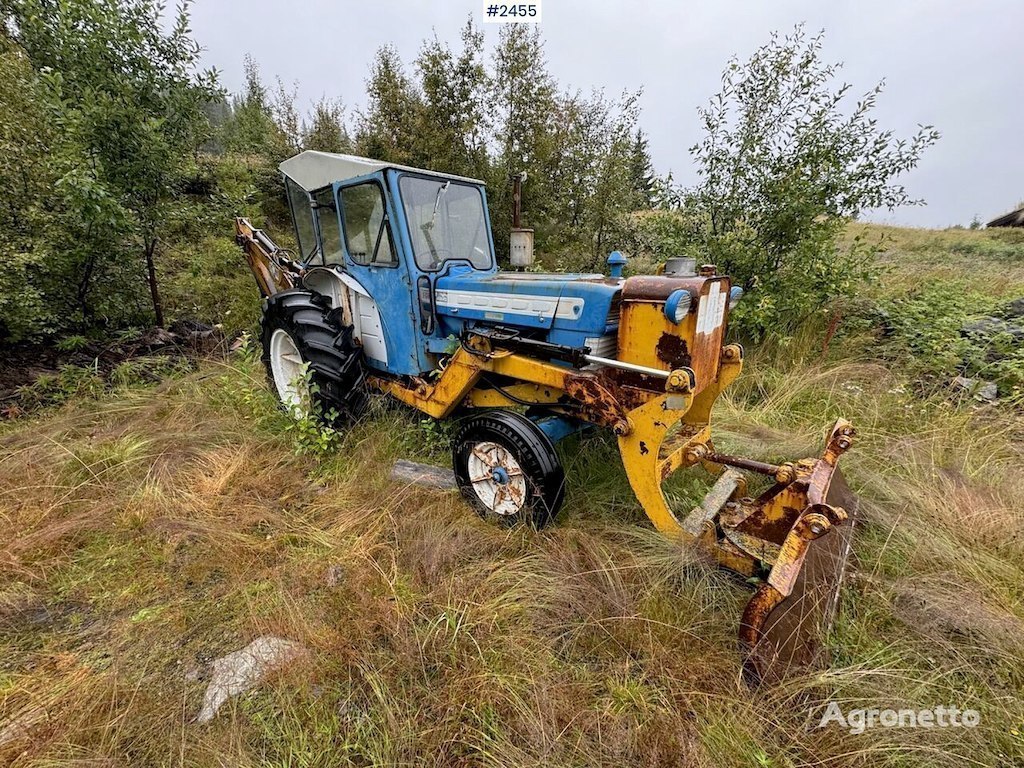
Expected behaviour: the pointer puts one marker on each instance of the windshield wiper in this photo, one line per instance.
(442, 190)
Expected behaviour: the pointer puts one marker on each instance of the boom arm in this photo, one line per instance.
(273, 270)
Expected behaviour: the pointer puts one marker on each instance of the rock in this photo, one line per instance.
(20, 728)
(985, 391)
(422, 474)
(13, 731)
(1013, 310)
(984, 326)
(988, 391)
(987, 327)
(335, 575)
(244, 669)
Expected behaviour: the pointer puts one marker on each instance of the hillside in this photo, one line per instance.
(151, 528)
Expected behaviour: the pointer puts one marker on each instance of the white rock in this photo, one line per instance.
(962, 382)
(335, 575)
(988, 391)
(243, 670)
(985, 391)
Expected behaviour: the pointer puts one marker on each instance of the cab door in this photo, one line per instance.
(382, 290)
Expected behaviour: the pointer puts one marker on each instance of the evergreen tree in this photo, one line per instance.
(455, 91)
(523, 107)
(325, 130)
(286, 116)
(253, 129)
(389, 129)
(641, 172)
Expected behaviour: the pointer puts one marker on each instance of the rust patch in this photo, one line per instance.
(630, 389)
(632, 397)
(769, 522)
(636, 380)
(672, 350)
(598, 403)
(706, 348)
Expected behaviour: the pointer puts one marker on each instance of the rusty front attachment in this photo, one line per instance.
(795, 535)
(801, 529)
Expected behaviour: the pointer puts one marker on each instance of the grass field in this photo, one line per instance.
(150, 529)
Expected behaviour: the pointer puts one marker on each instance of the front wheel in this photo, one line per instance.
(507, 469)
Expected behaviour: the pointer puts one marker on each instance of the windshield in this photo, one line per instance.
(446, 221)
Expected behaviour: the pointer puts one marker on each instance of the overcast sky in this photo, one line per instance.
(955, 65)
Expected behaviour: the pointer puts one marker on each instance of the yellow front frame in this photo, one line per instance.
(642, 431)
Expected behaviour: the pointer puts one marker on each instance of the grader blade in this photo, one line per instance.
(796, 535)
(782, 632)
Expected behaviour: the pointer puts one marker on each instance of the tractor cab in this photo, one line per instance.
(375, 237)
(411, 254)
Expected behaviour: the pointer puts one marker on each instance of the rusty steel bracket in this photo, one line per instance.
(814, 522)
(597, 402)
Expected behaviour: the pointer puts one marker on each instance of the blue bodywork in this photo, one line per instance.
(573, 310)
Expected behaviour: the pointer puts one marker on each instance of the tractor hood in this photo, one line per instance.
(576, 302)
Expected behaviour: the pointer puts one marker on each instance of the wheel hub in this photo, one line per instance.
(497, 478)
(288, 369)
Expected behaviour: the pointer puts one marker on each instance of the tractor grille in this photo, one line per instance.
(614, 311)
(604, 346)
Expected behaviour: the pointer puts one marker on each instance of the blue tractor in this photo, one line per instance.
(395, 288)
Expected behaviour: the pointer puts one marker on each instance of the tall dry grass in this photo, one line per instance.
(150, 533)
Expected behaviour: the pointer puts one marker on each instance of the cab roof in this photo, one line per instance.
(313, 170)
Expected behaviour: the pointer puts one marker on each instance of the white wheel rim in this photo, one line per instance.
(497, 479)
(289, 370)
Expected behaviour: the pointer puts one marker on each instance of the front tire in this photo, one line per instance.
(300, 332)
(507, 469)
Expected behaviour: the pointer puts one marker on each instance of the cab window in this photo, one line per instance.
(447, 221)
(302, 216)
(327, 221)
(367, 234)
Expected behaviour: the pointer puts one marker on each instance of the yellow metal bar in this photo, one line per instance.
(513, 395)
(529, 370)
(460, 376)
(729, 368)
(440, 398)
(640, 450)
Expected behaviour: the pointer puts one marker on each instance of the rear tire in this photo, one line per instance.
(299, 327)
(507, 469)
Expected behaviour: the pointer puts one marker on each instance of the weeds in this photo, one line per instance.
(76, 383)
(312, 431)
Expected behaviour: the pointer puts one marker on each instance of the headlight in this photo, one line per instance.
(735, 294)
(677, 306)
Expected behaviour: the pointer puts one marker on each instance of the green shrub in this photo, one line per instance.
(784, 165)
(923, 329)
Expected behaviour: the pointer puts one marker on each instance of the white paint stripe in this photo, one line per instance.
(703, 309)
(512, 303)
(711, 312)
